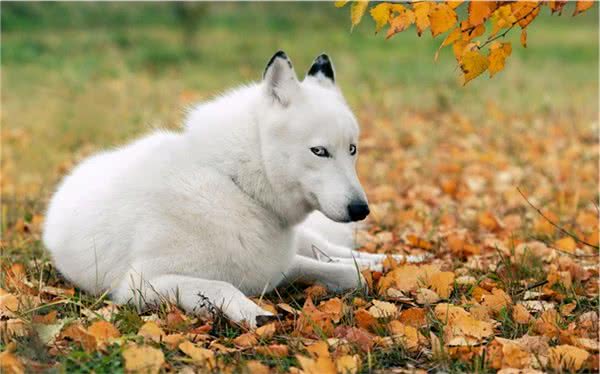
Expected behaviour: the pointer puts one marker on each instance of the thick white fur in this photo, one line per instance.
(212, 213)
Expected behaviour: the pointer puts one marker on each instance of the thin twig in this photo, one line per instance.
(535, 285)
(511, 27)
(554, 224)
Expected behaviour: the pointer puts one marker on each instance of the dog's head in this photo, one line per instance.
(309, 140)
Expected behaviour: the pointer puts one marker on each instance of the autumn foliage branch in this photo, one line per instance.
(442, 17)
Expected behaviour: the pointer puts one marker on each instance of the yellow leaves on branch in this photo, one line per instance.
(443, 16)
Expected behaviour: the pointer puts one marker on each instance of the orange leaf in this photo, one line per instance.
(525, 11)
(144, 359)
(103, 331)
(566, 244)
(442, 283)
(582, 5)
(524, 38)
(401, 22)
(479, 11)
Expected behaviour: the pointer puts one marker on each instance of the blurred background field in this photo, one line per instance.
(85, 74)
(440, 162)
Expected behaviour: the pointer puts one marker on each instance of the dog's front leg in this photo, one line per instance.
(336, 276)
(311, 244)
(194, 295)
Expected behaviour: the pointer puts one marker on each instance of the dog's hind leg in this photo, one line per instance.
(194, 295)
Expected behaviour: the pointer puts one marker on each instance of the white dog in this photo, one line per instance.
(215, 213)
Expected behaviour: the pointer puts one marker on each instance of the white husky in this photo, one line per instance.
(216, 212)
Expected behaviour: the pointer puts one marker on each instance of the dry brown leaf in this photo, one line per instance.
(347, 364)
(521, 315)
(202, 356)
(275, 350)
(408, 336)
(246, 340)
(11, 364)
(312, 321)
(415, 317)
(567, 357)
(442, 283)
(365, 320)
(497, 300)
(103, 331)
(257, 367)
(143, 359)
(383, 309)
(334, 307)
(150, 330)
(79, 334)
(425, 296)
(267, 331)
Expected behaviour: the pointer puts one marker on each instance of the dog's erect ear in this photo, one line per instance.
(280, 78)
(322, 70)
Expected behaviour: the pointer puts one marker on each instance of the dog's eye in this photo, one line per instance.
(352, 149)
(320, 151)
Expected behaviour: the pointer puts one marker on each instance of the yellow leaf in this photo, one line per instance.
(357, 11)
(441, 18)
(479, 11)
(498, 54)
(206, 357)
(421, 11)
(442, 283)
(454, 4)
(401, 22)
(381, 15)
(340, 4)
(502, 18)
(566, 244)
(473, 64)
(567, 357)
(348, 364)
(150, 330)
(524, 38)
(143, 359)
(582, 5)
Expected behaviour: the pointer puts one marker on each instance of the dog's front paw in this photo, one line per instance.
(248, 312)
(347, 278)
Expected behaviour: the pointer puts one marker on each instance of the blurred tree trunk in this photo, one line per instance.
(190, 16)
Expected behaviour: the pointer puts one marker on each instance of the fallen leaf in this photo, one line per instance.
(425, 296)
(11, 364)
(442, 283)
(144, 359)
(103, 331)
(150, 330)
(567, 357)
(383, 309)
(521, 315)
(347, 364)
(202, 356)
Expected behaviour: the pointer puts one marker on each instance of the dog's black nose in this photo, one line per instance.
(358, 210)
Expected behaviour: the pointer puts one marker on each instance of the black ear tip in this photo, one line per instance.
(323, 58)
(322, 64)
(280, 54)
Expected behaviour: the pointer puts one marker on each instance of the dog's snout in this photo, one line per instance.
(358, 210)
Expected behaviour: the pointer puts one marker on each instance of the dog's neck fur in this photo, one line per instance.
(239, 133)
